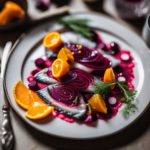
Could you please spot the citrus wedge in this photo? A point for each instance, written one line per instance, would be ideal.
(59, 68)
(52, 41)
(65, 54)
(36, 108)
(39, 109)
(109, 77)
(11, 11)
(22, 95)
(98, 104)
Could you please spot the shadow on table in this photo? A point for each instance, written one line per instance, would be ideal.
(118, 140)
(60, 3)
(96, 6)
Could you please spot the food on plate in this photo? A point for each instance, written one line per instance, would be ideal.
(29, 100)
(66, 54)
(65, 98)
(59, 68)
(109, 77)
(40, 63)
(11, 11)
(42, 4)
(98, 104)
(52, 41)
(39, 109)
(22, 95)
(81, 78)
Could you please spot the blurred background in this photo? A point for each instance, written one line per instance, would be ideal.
(131, 13)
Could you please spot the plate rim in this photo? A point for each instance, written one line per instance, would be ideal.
(22, 37)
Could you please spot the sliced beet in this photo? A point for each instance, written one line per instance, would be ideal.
(96, 37)
(88, 118)
(30, 78)
(42, 4)
(40, 63)
(114, 48)
(101, 46)
(91, 117)
(88, 96)
(33, 85)
(34, 72)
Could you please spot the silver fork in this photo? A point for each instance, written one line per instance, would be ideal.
(7, 137)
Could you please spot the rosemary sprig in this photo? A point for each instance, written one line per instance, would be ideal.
(129, 95)
(76, 100)
(77, 25)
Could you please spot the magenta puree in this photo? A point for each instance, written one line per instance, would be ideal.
(124, 71)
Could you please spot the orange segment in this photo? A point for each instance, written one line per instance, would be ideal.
(22, 95)
(39, 109)
(59, 68)
(17, 11)
(11, 11)
(98, 104)
(109, 77)
(65, 54)
(52, 41)
(28, 99)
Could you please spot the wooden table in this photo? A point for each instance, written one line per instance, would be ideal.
(135, 137)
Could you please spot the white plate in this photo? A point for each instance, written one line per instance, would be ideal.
(20, 64)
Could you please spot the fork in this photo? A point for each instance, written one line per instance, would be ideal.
(7, 136)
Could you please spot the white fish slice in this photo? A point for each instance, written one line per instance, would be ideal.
(75, 112)
(44, 78)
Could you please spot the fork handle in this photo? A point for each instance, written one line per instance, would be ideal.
(7, 139)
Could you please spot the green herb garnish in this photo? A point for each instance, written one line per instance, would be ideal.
(90, 109)
(77, 25)
(76, 100)
(127, 99)
(103, 88)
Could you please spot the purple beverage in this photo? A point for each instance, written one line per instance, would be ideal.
(132, 9)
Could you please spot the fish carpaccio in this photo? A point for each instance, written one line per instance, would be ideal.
(89, 67)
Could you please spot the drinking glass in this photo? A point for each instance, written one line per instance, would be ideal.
(132, 9)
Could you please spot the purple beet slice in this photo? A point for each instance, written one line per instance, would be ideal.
(40, 63)
(33, 85)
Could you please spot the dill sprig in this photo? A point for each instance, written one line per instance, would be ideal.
(102, 88)
(129, 95)
(76, 100)
(89, 107)
(77, 25)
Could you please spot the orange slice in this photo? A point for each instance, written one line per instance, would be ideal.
(11, 11)
(22, 95)
(52, 41)
(36, 108)
(65, 54)
(17, 11)
(109, 77)
(39, 109)
(59, 68)
(98, 104)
